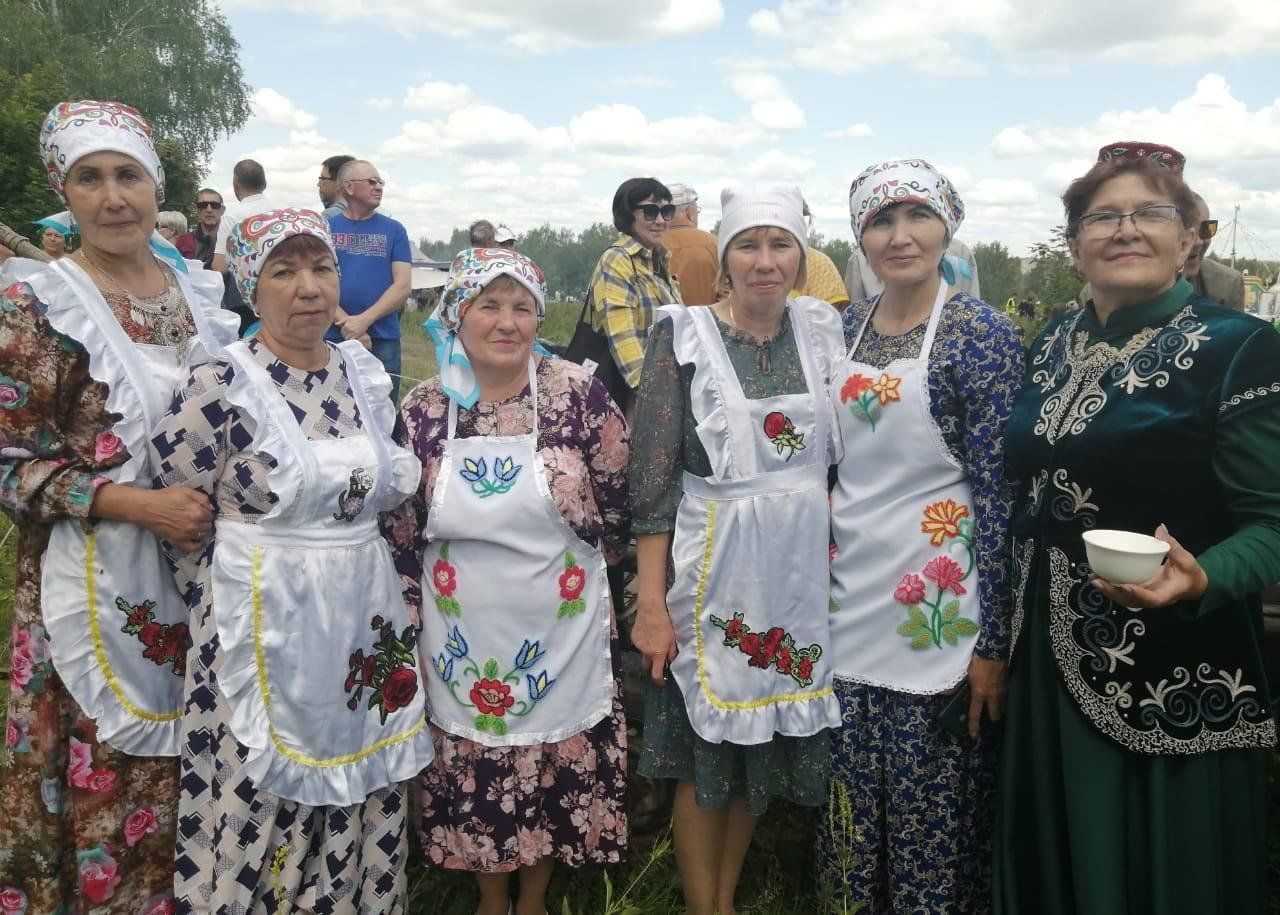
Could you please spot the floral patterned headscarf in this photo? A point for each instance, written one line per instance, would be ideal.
(73, 130)
(903, 181)
(472, 270)
(250, 242)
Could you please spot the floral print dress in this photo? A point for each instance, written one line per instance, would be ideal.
(240, 849)
(83, 826)
(496, 809)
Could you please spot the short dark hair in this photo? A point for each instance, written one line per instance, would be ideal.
(1080, 193)
(334, 164)
(250, 176)
(209, 190)
(628, 197)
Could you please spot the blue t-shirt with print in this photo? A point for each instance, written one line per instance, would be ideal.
(366, 250)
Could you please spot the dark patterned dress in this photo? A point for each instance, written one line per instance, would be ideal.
(496, 809)
(83, 826)
(908, 824)
(666, 446)
(240, 849)
(1138, 742)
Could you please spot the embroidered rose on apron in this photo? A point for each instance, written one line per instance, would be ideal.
(387, 672)
(163, 644)
(781, 431)
(490, 691)
(445, 576)
(774, 649)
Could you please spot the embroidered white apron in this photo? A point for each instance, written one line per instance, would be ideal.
(116, 622)
(904, 585)
(749, 552)
(515, 614)
(320, 665)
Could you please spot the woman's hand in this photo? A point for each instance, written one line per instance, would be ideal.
(986, 690)
(653, 635)
(1180, 578)
(177, 514)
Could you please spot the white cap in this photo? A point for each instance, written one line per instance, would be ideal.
(749, 206)
(502, 233)
(682, 194)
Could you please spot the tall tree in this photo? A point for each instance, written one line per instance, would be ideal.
(999, 272)
(176, 61)
(1052, 278)
(24, 101)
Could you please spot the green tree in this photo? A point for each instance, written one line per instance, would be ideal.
(999, 272)
(839, 250)
(1052, 278)
(181, 178)
(176, 61)
(24, 101)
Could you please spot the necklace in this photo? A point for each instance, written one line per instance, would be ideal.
(163, 314)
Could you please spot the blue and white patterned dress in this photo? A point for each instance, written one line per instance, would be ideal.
(909, 817)
(240, 849)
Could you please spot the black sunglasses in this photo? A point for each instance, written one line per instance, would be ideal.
(652, 211)
(208, 205)
(1208, 229)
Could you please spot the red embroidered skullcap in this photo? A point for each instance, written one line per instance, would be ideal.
(1166, 156)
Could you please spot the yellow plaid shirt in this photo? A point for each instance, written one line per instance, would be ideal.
(629, 282)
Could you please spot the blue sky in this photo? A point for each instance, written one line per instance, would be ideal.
(534, 111)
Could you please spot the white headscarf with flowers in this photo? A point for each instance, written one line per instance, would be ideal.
(471, 271)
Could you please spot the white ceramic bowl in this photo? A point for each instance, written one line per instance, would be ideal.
(1124, 557)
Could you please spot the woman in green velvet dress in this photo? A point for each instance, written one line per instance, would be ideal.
(1138, 727)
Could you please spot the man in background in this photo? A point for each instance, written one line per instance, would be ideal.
(375, 261)
(504, 238)
(249, 183)
(1219, 282)
(204, 237)
(327, 184)
(693, 251)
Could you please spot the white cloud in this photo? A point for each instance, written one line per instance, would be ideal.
(270, 107)
(771, 106)
(852, 132)
(843, 36)
(475, 130)
(1215, 130)
(379, 104)
(437, 96)
(776, 165)
(532, 26)
(624, 130)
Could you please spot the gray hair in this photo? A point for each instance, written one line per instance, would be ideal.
(172, 219)
(344, 174)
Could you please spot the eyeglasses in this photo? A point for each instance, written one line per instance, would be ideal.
(372, 182)
(1208, 229)
(652, 211)
(1152, 216)
(208, 205)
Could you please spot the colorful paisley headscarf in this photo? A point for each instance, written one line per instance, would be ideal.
(73, 130)
(471, 271)
(250, 242)
(903, 181)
